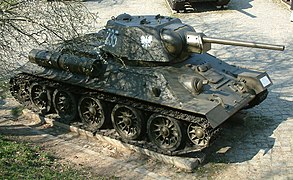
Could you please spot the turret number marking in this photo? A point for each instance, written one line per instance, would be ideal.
(111, 39)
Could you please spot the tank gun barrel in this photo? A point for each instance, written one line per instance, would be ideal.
(200, 43)
(206, 39)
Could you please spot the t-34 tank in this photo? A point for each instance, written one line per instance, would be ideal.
(148, 76)
(181, 5)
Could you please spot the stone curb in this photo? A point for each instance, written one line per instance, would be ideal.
(185, 163)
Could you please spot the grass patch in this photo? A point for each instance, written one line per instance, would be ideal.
(26, 161)
(17, 111)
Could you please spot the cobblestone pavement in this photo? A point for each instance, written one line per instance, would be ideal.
(259, 143)
(256, 143)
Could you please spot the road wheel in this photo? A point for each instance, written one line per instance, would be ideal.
(198, 135)
(65, 105)
(91, 112)
(165, 132)
(40, 97)
(127, 121)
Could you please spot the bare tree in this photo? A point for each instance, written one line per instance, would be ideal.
(27, 24)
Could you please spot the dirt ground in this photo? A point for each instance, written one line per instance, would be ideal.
(86, 154)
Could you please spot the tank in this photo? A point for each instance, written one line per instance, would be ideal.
(182, 5)
(148, 77)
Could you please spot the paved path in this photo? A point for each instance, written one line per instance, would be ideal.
(258, 143)
(261, 144)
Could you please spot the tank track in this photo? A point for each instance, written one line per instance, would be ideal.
(20, 89)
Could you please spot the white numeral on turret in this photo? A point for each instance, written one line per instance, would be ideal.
(111, 39)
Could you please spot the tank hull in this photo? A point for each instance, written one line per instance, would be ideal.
(162, 90)
(218, 101)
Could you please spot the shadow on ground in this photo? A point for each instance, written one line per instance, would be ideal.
(245, 135)
(12, 122)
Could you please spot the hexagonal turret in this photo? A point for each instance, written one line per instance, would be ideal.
(160, 39)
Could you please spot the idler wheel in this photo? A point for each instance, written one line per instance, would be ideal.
(127, 121)
(65, 105)
(40, 97)
(14, 87)
(197, 134)
(91, 112)
(20, 89)
(165, 132)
